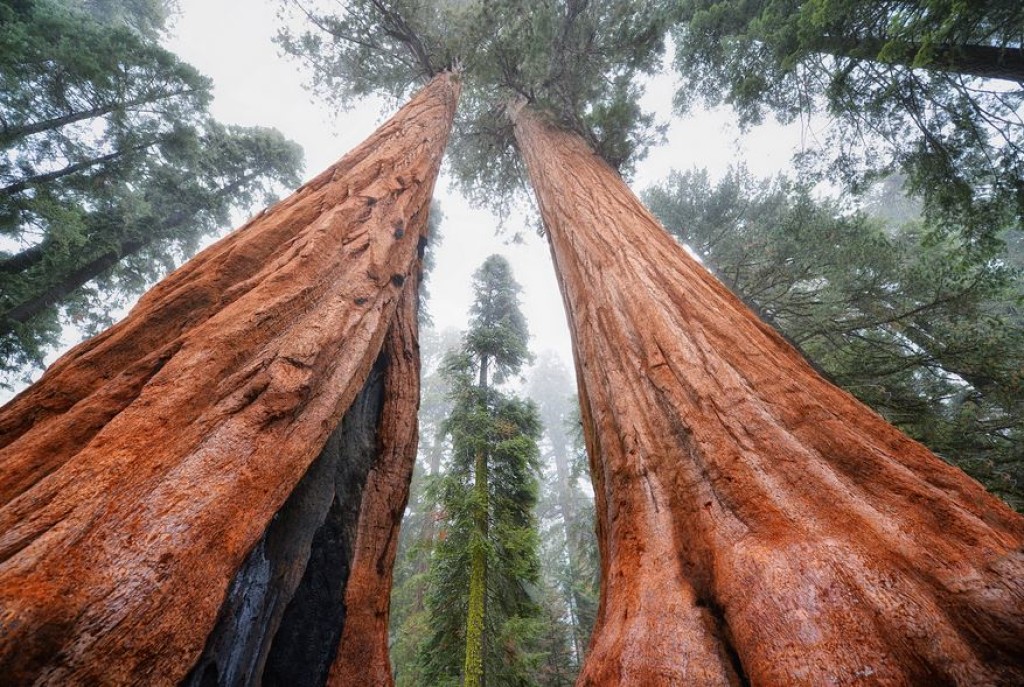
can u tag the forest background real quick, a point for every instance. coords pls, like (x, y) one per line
(721, 214)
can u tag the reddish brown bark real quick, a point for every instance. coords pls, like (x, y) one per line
(137, 474)
(362, 657)
(757, 524)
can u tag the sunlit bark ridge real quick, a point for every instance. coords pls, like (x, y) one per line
(757, 524)
(140, 477)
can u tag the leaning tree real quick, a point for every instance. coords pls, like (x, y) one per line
(757, 524)
(182, 497)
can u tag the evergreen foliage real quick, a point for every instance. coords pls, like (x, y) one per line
(487, 497)
(931, 90)
(923, 331)
(579, 60)
(111, 170)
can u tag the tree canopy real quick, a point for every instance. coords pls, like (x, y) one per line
(931, 90)
(582, 61)
(112, 169)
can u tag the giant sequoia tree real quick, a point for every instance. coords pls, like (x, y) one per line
(173, 497)
(175, 482)
(756, 523)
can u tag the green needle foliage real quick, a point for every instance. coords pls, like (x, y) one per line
(482, 601)
(581, 61)
(112, 171)
(930, 89)
(924, 332)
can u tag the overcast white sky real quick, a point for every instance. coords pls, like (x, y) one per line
(230, 41)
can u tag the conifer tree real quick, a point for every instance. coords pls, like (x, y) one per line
(752, 517)
(927, 89)
(246, 542)
(569, 548)
(486, 566)
(112, 172)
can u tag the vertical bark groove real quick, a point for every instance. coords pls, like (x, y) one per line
(362, 656)
(130, 491)
(729, 475)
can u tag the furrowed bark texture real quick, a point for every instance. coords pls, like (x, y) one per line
(308, 577)
(757, 524)
(142, 469)
(303, 559)
(362, 657)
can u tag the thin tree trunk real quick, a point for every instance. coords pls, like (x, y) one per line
(73, 280)
(474, 667)
(140, 471)
(36, 179)
(430, 518)
(11, 134)
(983, 61)
(477, 605)
(22, 260)
(569, 515)
(757, 525)
(36, 303)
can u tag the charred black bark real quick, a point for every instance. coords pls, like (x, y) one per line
(285, 611)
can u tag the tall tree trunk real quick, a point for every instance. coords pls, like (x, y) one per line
(473, 671)
(140, 471)
(309, 578)
(757, 525)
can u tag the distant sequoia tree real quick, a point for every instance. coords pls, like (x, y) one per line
(484, 622)
(166, 518)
